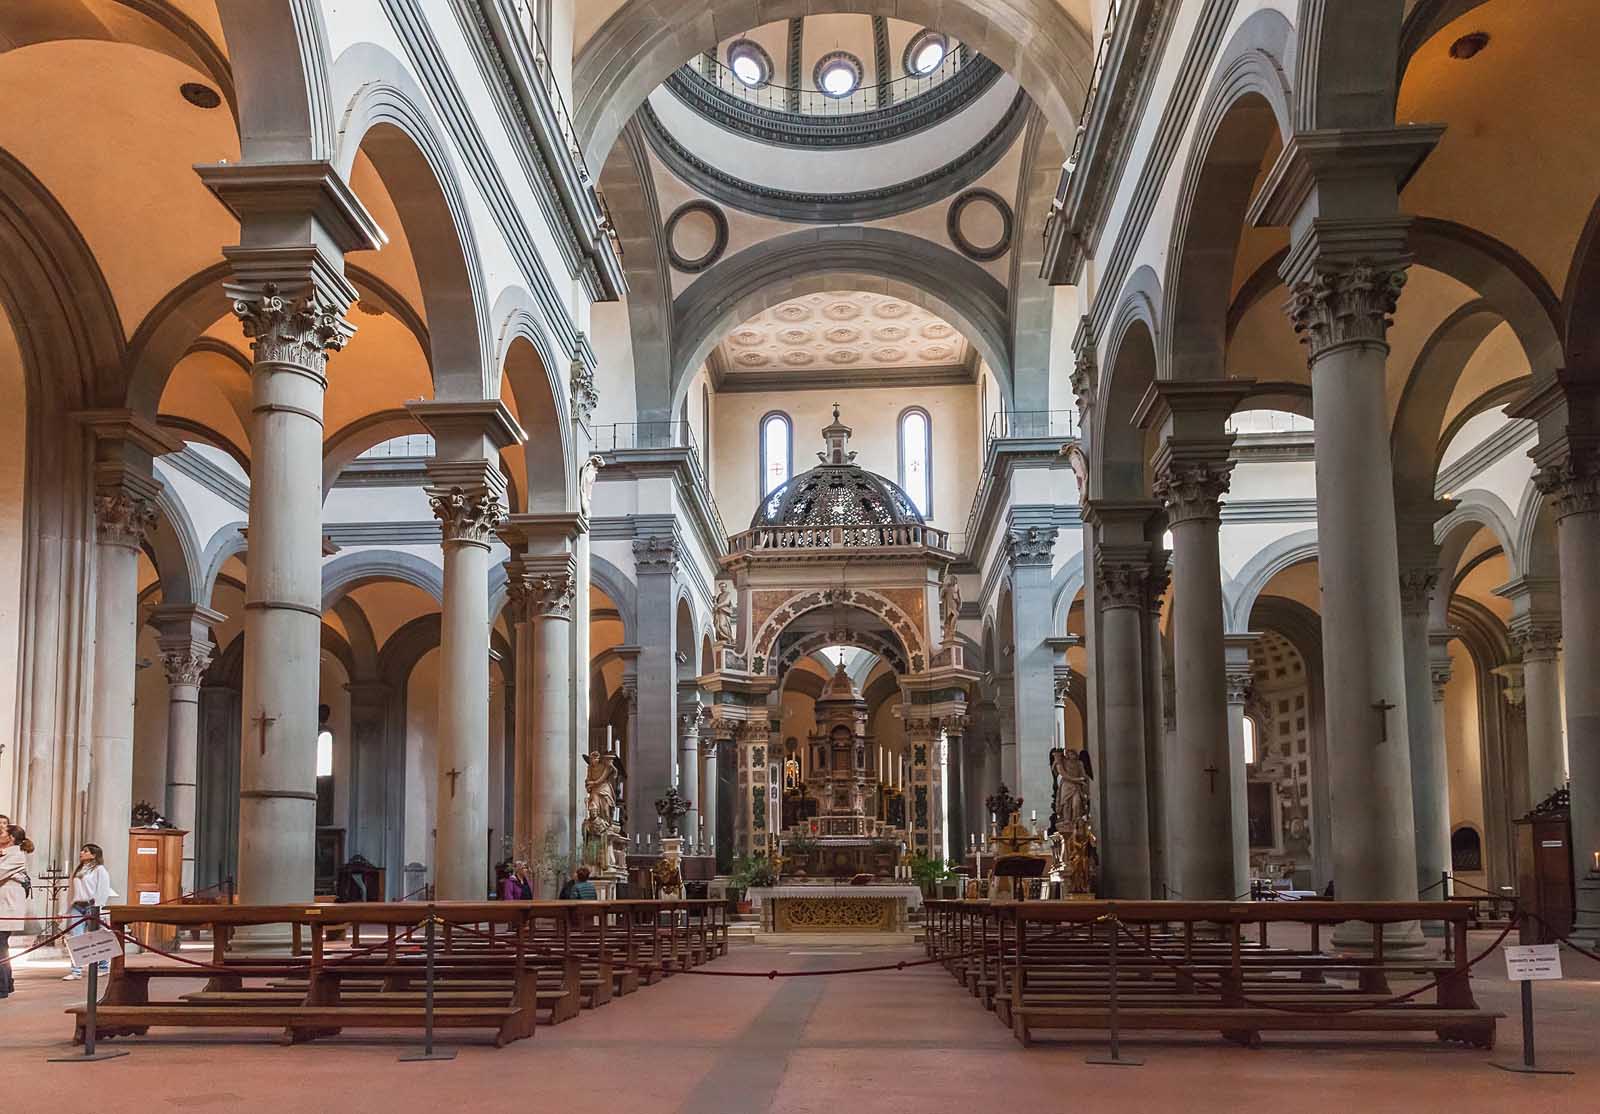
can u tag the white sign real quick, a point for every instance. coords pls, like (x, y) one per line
(94, 947)
(149, 897)
(149, 850)
(1533, 962)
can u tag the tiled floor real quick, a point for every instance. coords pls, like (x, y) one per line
(910, 1042)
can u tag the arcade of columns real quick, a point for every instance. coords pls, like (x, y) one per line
(1381, 643)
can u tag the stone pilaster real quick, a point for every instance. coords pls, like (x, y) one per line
(924, 817)
(655, 557)
(125, 508)
(1030, 550)
(1240, 678)
(1536, 635)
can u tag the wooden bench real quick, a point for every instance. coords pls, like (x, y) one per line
(1052, 966)
(502, 966)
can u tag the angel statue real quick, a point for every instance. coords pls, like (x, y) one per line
(1072, 773)
(725, 613)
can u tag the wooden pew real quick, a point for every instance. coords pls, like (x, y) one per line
(1046, 966)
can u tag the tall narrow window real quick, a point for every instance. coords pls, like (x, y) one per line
(916, 459)
(1249, 741)
(777, 452)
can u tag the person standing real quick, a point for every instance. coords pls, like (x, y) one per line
(14, 885)
(91, 893)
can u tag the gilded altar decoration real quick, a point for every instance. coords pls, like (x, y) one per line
(838, 914)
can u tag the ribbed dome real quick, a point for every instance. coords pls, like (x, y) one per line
(838, 492)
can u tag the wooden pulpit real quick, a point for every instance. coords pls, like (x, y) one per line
(155, 877)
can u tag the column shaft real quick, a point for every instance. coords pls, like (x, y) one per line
(549, 728)
(1125, 824)
(1579, 547)
(115, 649)
(1547, 759)
(461, 850)
(1430, 767)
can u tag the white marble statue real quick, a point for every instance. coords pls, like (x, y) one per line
(950, 605)
(725, 613)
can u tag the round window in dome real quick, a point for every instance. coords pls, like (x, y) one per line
(751, 65)
(926, 52)
(839, 74)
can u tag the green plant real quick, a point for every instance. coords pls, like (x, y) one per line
(928, 872)
(548, 861)
(752, 870)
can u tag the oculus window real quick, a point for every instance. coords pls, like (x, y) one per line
(916, 459)
(777, 452)
(751, 65)
(926, 53)
(839, 74)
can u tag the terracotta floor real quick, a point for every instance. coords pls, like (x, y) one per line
(909, 1042)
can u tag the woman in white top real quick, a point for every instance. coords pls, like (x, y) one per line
(91, 893)
(14, 844)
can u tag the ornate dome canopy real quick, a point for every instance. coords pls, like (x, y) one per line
(838, 492)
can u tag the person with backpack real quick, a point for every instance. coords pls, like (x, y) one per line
(14, 889)
(91, 893)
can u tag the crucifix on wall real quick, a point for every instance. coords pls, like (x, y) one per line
(452, 775)
(262, 722)
(1212, 772)
(1383, 708)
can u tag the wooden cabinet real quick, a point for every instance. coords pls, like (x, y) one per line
(155, 876)
(1544, 873)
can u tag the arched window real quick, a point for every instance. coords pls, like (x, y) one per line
(1249, 741)
(916, 458)
(324, 753)
(777, 451)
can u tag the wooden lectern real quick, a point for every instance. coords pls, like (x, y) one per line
(155, 876)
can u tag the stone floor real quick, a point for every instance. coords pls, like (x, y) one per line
(909, 1042)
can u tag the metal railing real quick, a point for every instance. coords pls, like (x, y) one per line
(1031, 424)
(1070, 167)
(813, 102)
(626, 436)
(779, 539)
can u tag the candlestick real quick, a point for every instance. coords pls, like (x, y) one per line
(1597, 862)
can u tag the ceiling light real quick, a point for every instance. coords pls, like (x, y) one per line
(201, 96)
(1468, 46)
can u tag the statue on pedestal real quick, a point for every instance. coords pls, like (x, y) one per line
(603, 837)
(949, 606)
(1071, 823)
(725, 613)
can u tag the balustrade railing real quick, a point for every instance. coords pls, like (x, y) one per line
(773, 97)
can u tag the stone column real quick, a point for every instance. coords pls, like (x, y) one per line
(1439, 671)
(1005, 720)
(124, 510)
(543, 589)
(1567, 408)
(1430, 767)
(708, 786)
(638, 808)
(688, 739)
(371, 775)
(1338, 193)
(466, 489)
(1030, 549)
(1158, 716)
(1192, 469)
(1121, 587)
(1240, 679)
(655, 754)
(186, 648)
(1540, 644)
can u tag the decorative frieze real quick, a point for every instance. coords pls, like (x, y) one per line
(1193, 490)
(123, 517)
(1351, 306)
(467, 517)
(300, 329)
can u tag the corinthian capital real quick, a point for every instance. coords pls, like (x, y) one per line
(1352, 305)
(1121, 584)
(469, 517)
(656, 553)
(298, 329)
(123, 517)
(185, 664)
(1572, 484)
(1031, 545)
(1535, 640)
(1416, 587)
(1193, 490)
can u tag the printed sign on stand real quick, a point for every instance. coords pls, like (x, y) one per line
(99, 946)
(1533, 962)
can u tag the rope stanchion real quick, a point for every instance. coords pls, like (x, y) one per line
(428, 1051)
(1116, 1058)
(90, 1027)
(45, 942)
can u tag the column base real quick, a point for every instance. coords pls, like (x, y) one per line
(1403, 938)
(1586, 925)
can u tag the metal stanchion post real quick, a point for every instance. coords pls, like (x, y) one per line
(428, 1051)
(1528, 1066)
(90, 1021)
(1116, 1058)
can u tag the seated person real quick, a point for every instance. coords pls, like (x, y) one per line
(582, 888)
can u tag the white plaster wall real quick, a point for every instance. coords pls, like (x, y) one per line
(614, 376)
(1462, 747)
(332, 681)
(872, 414)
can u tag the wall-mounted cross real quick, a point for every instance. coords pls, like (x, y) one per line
(452, 775)
(1212, 772)
(1383, 708)
(262, 722)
